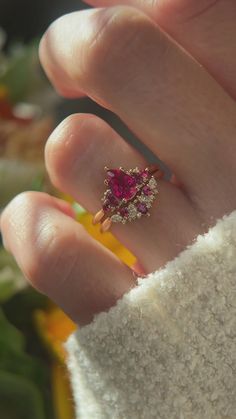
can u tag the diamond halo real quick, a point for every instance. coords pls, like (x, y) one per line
(129, 195)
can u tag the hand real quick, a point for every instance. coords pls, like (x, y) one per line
(121, 58)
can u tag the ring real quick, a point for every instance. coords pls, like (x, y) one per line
(129, 196)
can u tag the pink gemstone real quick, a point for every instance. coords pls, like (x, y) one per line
(146, 190)
(144, 174)
(106, 207)
(122, 185)
(139, 179)
(142, 208)
(141, 176)
(124, 212)
(111, 199)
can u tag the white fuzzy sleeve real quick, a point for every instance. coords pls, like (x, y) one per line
(167, 350)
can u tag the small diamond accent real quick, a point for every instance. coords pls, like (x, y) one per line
(152, 183)
(132, 211)
(142, 198)
(116, 218)
(145, 199)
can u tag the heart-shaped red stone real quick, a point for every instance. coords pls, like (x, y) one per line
(122, 185)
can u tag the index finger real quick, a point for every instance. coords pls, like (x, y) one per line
(121, 58)
(206, 28)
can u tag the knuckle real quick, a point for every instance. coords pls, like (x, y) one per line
(53, 57)
(53, 261)
(47, 254)
(112, 43)
(39, 265)
(19, 205)
(64, 146)
(62, 131)
(60, 148)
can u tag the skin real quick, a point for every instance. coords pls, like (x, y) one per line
(178, 95)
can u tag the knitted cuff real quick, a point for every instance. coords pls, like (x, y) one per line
(168, 348)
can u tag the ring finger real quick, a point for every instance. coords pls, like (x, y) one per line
(76, 154)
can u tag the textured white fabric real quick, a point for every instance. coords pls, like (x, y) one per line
(167, 350)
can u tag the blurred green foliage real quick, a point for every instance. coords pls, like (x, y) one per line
(21, 376)
(11, 278)
(20, 71)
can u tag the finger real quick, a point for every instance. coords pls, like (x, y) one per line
(60, 259)
(76, 154)
(60, 204)
(160, 92)
(206, 28)
(62, 83)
